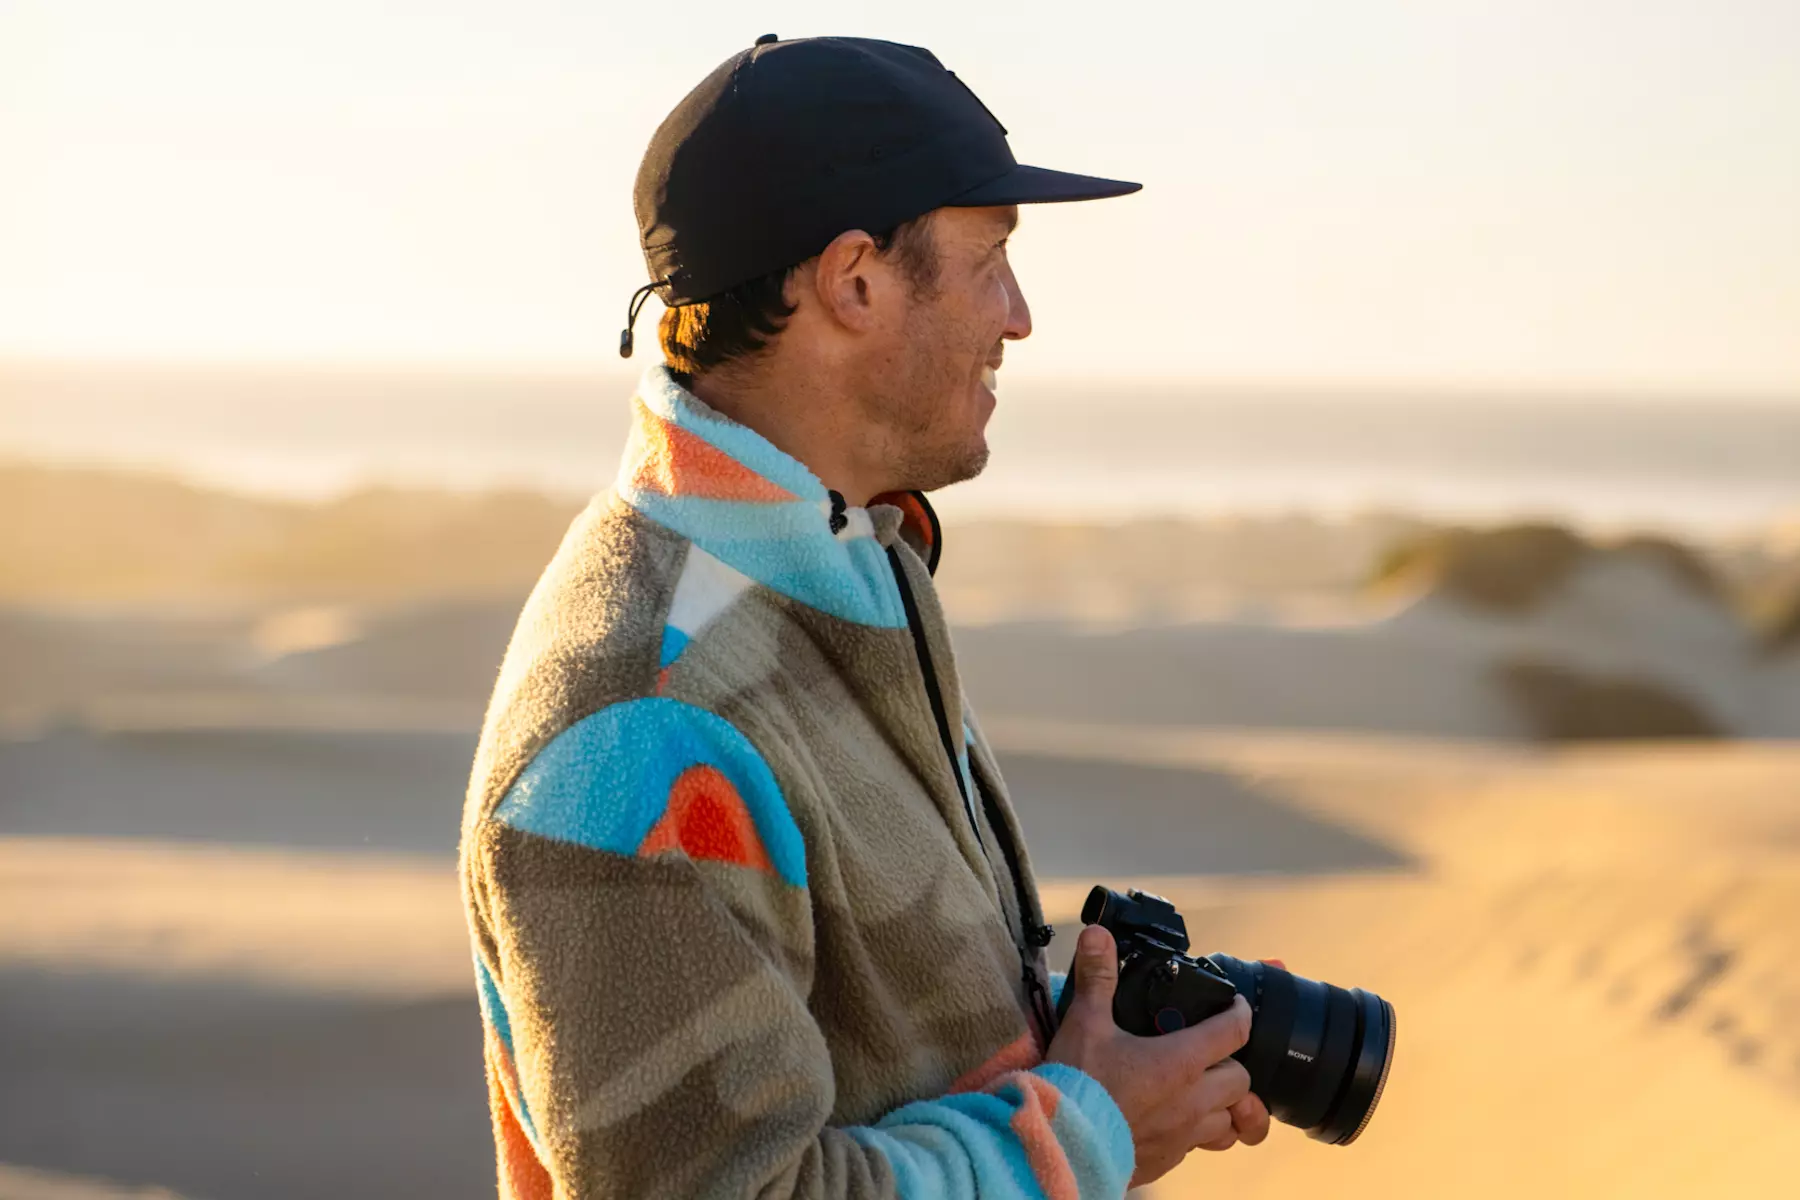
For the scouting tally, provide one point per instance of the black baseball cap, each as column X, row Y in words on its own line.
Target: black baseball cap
column 788, row 144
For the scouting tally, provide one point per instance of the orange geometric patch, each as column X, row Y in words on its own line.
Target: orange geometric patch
column 1021, row 1054
column 1031, row 1123
column 668, row 459
column 707, row 819
column 522, row 1174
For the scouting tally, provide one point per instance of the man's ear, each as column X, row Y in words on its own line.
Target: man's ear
column 851, row 281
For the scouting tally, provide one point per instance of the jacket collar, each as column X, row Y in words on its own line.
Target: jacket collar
column 730, row 491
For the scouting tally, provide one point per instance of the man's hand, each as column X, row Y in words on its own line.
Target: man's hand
column 1249, row 1125
column 1178, row 1091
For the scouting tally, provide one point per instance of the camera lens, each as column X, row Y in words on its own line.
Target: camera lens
column 1318, row 1055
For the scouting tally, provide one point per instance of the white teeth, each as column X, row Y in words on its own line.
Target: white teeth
column 989, row 379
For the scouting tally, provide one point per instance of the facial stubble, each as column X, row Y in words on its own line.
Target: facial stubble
column 925, row 413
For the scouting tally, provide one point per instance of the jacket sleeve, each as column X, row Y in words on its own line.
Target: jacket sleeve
column 643, row 945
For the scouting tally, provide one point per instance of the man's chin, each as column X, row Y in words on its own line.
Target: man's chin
column 952, row 469
column 975, row 465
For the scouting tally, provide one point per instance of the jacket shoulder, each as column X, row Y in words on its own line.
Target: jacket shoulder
column 588, row 637
column 653, row 775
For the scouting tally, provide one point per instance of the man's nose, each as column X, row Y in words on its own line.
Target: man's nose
column 1018, row 313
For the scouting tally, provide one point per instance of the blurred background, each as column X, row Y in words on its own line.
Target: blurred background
column 1391, row 550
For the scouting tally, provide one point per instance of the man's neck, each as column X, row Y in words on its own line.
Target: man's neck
column 813, row 424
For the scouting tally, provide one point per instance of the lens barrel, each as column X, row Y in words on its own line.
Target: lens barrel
column 1318, row 1055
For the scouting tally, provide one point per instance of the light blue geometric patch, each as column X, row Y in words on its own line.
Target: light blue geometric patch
column 674, row 641
column 786, row 547
column 959, row 1147
column 964, row 1145
column 493, row 1011
column 604, row 782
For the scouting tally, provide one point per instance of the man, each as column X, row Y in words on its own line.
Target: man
column 752, row 914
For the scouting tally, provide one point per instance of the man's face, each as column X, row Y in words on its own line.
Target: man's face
column 932, row 391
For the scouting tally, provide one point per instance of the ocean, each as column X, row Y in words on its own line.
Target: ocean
column 1059, row 449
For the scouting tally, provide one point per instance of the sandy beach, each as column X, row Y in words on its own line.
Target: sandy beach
column 1590, row 953
column 232, row 961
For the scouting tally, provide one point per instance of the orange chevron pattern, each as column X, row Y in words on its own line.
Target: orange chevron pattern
column 522, row 1174
column 1020, row 1054
column 706, row 819
column 1039, row 1101
column 668, row 459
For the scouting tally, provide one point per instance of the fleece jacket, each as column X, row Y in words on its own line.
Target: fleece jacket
column 735, row 860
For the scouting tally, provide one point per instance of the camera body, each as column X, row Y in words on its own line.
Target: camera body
column 1318, row 1054
column 1161, row 988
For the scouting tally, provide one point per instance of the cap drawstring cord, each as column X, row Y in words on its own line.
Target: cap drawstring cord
column 631, row 315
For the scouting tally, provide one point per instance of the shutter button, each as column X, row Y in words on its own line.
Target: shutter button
column 766, row 39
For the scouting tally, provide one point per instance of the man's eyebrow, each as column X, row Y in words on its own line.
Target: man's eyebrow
column 1012, row 220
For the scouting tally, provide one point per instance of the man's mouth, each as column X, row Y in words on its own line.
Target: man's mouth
column 990, row 379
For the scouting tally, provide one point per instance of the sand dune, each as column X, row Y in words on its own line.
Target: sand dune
column 1591, row 953
column 1431, row 664
column 1558, row 1035
column 220, row 1091
column 18, row 1183
column 1425, row 668
column 326, row 923
column 1506, row 633
column 1594, row 966
column 395, row 790
column 232, row 962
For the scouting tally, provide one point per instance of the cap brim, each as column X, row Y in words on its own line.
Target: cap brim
column 1038, row 185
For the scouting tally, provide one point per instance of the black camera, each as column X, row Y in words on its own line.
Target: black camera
column 1318, row 1055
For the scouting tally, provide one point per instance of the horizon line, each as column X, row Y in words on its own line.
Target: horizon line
column 1262, row 384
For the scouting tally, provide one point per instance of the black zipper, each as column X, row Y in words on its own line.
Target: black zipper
column 1037, row 935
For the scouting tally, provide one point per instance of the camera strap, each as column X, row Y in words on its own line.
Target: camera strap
column 1037, row 932
column 1034, row 933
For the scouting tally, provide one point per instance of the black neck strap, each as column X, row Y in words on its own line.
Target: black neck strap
column 1036, row 931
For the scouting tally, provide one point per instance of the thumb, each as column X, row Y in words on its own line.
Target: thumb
column 1096, row 973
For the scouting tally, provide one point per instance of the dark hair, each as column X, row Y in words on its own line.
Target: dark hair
column 740, row 321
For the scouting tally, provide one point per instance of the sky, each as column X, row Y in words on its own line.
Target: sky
column 1532, row 194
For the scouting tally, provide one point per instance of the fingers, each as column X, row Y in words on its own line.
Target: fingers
column 1224, row 1085
column 1096, row 971
column 1244, row 1119
column 1209, row 1104
column 1213, row 1040
column 1250, row 1120
column 1215, row 1132
column 1247, row 1121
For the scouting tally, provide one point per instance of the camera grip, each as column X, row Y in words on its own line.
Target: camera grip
column 1161, row 995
